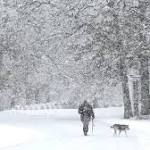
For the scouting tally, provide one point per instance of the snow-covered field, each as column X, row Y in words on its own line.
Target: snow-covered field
column 62, row 130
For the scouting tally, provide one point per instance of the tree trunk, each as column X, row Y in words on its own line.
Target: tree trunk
column 125, row 89
column 126, row 99
column 144, row 72
column 136, row 98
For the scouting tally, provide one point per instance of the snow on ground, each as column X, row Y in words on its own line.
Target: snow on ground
column 61, row 129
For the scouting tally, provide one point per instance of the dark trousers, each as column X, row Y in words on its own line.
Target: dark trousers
column 85, row 120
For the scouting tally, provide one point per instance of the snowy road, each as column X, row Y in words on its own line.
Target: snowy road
column 62, row 130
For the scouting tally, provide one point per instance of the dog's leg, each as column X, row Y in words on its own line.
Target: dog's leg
column 125, row 132
column 115, row 133
column 119, row 132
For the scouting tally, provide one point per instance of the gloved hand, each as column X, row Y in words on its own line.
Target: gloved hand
column 93, row 117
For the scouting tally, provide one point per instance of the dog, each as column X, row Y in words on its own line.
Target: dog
column 120, row 128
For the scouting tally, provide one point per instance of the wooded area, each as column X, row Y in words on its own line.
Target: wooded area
column 66, row 51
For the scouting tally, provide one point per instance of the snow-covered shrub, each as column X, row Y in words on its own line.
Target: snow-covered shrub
column 42, row 107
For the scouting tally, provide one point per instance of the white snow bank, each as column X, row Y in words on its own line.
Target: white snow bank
column 61, row 129
column 14, row 136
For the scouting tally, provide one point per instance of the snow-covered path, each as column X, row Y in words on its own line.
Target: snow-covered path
column 62, row 130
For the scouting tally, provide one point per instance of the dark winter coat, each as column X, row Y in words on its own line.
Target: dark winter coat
column 86, row 111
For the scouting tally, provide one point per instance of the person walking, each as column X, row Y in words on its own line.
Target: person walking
column 86, row 114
